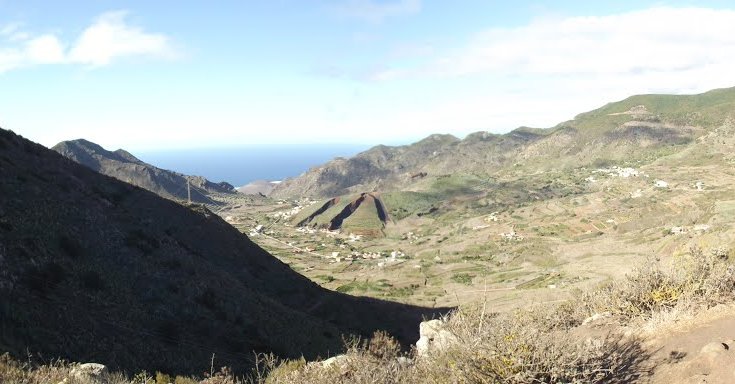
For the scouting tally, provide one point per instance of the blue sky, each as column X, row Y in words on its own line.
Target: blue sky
column 146, row 75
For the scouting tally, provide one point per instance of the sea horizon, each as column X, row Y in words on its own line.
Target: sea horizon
column 240, row 166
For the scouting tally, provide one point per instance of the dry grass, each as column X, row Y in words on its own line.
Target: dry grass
column 500, row 349
column 543, row 345
column 691, row 281
column 13, row 371
column 16, row 372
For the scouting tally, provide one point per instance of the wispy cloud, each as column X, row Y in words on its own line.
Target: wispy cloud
column 654, row 40
column 376, row 11
column 8, row 29
column 12, row 32
column 110, row 37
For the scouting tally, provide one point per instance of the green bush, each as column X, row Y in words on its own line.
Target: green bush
column 463, row 278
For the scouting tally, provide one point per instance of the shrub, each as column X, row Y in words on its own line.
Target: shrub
column 463, row 278
column 518, row 348
column 162, row 378
column 285, row 370
column 184, row 380
column 382, row 346
column 694, row 279
column 540, row 345
column 224, row 376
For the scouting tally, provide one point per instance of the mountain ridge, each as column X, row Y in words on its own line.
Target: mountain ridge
column 124, row 166
column 609, row 133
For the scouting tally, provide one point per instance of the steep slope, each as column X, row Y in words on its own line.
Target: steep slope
column 94, row 269
column 639, row 129
column 122, row 165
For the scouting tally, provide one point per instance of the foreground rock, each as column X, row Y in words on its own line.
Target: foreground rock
column 715, row 363
column 434, row 337
column 89, row 373
column 338, row 361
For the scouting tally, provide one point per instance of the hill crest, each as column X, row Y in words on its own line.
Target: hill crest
column 607, row 134
column 124, row 166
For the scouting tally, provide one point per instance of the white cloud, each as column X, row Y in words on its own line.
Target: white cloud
column 549, row 70
column 46, row 49
column 654, row 40
column 376, row 11
column 108, row 38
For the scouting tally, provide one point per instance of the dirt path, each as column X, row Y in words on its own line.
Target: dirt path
column 701, row 350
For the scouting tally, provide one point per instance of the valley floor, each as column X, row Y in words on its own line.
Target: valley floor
column 511, row 254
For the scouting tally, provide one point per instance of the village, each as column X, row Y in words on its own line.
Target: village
column 456, row 254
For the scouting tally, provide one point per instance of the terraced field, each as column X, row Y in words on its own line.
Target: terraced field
column 519, row 218
column 462, row 239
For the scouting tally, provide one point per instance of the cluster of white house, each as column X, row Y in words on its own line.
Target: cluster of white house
column 355, row 255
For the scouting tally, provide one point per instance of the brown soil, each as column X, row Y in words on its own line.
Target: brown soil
column 700, row 350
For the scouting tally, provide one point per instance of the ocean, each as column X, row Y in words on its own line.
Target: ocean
column 239, row 166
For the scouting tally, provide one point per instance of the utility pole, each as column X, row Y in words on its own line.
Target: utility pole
column 188, row 189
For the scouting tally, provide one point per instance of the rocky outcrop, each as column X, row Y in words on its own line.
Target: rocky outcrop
column 92, row 373
column 434, row 337
column 714, row 363
column 339, row 361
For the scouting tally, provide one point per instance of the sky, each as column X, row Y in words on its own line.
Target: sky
column 156, row 75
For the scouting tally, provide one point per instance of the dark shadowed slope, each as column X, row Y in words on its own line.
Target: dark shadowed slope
column 122, row 165
column 94, row 269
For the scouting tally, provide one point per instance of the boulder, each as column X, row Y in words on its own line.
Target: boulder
column 713, row 364
column 714, row 348
column 434, row 337
column 338, row 361
column 90, row 372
